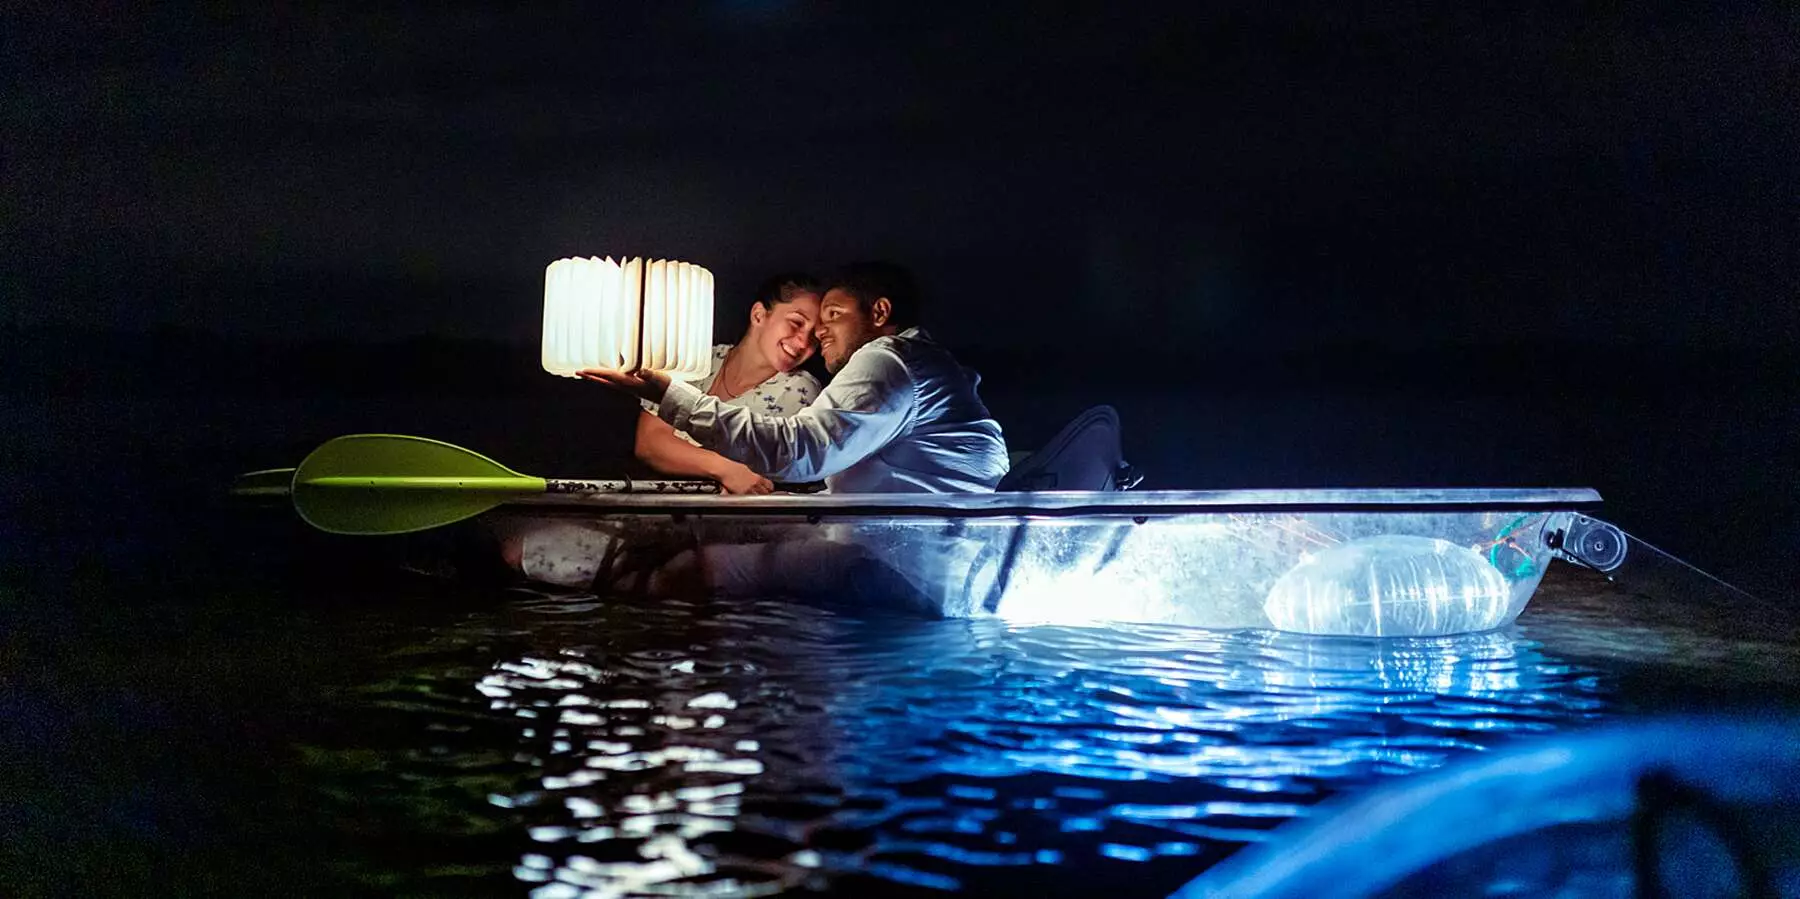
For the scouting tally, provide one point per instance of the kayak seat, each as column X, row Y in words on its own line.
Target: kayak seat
column 1084, row 455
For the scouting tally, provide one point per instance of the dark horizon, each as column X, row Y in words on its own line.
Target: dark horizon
column 1284, row 177
column 175, row 358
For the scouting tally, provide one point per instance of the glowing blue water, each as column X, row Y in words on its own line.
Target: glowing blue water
column 575, row 745
column 512, row 743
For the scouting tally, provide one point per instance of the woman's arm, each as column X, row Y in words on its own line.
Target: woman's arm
column 659, row 447
column 869, row 402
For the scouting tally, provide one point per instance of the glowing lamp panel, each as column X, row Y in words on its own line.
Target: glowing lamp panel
column 628, row 314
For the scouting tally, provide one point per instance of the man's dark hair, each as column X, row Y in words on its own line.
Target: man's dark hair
column 870, row 281
column 784, row 286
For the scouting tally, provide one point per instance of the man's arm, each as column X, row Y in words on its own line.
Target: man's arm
column 659, row 447
column 869, row 403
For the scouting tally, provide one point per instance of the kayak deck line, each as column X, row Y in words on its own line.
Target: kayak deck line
column 1069, row 504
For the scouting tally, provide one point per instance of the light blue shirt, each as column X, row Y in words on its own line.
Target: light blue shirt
column 901, row 416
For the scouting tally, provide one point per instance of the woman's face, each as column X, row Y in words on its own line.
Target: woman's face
column 784, row 331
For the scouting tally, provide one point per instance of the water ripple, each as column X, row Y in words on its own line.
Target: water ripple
column 580, row 747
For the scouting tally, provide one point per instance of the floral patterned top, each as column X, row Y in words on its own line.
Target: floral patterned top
column 785, row 393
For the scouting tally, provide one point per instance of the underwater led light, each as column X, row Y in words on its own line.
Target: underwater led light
column 1041, row 594
column 628, row 314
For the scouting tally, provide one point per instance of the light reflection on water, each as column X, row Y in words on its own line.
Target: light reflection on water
column 586, row 747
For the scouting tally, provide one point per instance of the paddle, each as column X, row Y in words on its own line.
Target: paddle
column 269, row 483
column 371, row 484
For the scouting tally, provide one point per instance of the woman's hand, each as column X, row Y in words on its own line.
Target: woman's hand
column 736, row 480
column 650, row 385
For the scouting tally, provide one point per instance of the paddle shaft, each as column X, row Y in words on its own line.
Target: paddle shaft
column 627, row 485
column 477, row 484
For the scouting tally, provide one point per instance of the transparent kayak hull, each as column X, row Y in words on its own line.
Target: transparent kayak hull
column 1341, row 562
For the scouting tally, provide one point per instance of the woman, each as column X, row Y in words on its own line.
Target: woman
column 761, row 371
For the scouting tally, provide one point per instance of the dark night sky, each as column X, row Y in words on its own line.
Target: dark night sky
column 1294, row 174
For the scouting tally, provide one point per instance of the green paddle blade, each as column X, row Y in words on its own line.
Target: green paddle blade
column 393, row 484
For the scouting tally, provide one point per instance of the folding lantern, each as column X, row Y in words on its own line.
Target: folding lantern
column 627, row 315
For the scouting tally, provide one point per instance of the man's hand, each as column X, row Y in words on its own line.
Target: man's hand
column 736, row 480
column 650, row 385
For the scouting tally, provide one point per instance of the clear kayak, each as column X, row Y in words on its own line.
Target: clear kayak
column 1348, row 562
column 1384, row 562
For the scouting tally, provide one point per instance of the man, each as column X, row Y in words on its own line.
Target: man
column 899, row 416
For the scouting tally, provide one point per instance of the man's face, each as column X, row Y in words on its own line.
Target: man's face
column 844, row 326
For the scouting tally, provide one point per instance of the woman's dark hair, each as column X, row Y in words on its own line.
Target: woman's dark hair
column 870, row 281
column 784, row 286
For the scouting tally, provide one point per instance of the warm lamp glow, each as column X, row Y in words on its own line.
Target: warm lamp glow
column 628, row 314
